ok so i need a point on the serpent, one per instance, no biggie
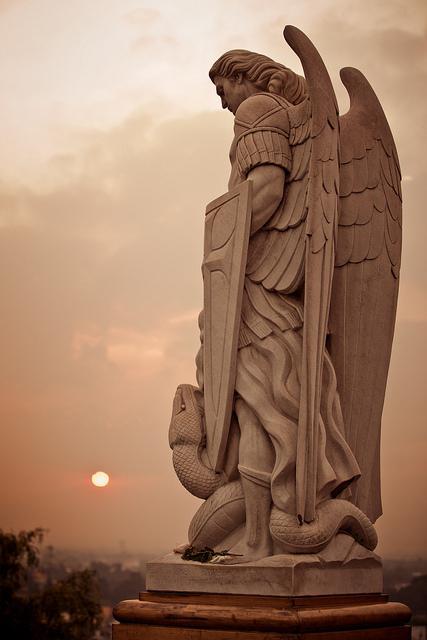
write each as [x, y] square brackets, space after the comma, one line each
[224, 507]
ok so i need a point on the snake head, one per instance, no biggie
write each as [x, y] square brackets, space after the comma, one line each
[187, 405]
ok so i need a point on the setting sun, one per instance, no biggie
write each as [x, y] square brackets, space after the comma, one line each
[100, 479]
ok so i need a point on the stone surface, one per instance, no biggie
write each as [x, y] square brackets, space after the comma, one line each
[344, 567]
[301, 272]
[227, 227]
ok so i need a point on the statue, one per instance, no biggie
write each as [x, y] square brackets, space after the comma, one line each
[281, 436]
[301, 273]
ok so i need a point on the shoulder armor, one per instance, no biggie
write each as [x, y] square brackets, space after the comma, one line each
[262, 109]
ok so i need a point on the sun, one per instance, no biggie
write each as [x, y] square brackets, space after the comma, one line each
[100, 479]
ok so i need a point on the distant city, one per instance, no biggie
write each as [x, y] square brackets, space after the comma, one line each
[121, 576]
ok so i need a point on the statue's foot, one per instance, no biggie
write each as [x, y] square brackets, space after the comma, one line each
[242, 552]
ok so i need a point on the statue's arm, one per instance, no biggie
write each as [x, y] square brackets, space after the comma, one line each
[268, 186]
[262, 153]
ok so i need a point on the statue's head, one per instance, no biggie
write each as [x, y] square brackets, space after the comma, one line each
[238, 74]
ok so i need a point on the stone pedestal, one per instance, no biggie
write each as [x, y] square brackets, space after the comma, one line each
[192, 616]
[343, 567]
[333, 595]
[276, 576]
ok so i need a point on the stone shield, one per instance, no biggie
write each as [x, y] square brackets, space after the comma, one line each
[227, 230]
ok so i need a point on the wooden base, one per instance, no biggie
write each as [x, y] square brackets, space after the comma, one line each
[186, 616]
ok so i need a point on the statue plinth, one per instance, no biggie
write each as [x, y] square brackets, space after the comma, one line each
[343, 567]
[185, 616]
[334, 594]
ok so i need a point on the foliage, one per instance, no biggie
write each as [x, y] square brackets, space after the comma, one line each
[68, 609]
[18, 554]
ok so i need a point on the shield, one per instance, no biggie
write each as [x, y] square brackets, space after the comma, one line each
[227, 229]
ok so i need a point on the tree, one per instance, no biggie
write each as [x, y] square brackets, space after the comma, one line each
[68, 609]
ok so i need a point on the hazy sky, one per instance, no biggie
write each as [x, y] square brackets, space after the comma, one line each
[112, 143]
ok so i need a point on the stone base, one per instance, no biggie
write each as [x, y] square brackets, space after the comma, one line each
[177, 616]
[344, 567]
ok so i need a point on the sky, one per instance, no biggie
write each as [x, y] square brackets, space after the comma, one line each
[113, 142]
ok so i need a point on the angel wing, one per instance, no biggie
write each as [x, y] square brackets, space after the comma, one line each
[322, 203]
[297, 247]
[366, 278]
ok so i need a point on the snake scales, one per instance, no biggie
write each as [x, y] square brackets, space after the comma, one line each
[224, 506]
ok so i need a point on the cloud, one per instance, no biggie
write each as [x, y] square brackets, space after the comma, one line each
[5, 5]
[189, 316]
[111, 246]
[152, 26]
[143, 16]
[100, 287]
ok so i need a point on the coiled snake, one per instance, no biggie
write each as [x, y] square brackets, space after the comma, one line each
[224, 507]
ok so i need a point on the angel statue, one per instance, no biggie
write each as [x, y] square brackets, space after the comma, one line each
[301, 271]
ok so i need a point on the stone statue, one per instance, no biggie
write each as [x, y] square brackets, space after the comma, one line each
[301, 272]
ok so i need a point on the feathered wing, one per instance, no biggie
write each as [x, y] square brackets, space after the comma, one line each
[297, 246]
[366, 278]
[322, 210]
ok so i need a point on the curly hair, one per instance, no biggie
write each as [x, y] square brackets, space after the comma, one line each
[266, 74]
